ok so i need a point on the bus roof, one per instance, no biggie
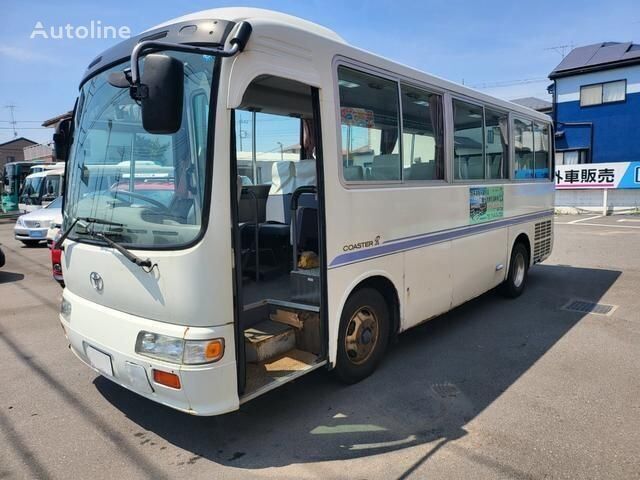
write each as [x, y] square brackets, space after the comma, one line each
[237, 14]
[44, 173]
[322, 43]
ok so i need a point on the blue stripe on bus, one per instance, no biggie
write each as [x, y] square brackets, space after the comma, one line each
[424, 239]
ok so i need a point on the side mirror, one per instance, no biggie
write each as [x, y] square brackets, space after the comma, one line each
[62, 139]
[161, 93]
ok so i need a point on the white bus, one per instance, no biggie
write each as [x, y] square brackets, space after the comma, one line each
[41, 188]
[393, 196]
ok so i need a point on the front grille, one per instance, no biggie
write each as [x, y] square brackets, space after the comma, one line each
[543, 240]
[36, 223]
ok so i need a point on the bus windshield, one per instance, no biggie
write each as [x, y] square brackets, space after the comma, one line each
[31, 189]
[151, 184]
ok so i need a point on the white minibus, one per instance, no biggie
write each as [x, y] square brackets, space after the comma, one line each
[41, 188]
[317, 200]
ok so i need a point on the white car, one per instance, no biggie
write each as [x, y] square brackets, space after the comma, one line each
[32, 228]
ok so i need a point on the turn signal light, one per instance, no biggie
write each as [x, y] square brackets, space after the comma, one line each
[214, 350]
[167, 379]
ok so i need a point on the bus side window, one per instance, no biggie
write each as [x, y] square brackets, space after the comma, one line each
[370, 127]
[468, 141]
[541, 155]
[496, 143]
[523, 147]
[422, 135]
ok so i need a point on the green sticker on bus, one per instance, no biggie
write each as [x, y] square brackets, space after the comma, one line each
[485, 203]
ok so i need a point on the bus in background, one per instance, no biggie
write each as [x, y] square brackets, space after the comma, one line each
[13, 176]
[40, 189]
[41, 167]
[396, 196]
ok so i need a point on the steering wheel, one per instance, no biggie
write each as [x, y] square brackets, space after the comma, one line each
[139, 196]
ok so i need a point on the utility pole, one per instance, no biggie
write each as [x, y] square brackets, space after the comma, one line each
[242, 132]
[13, 120]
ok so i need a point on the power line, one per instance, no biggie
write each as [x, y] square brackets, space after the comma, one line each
[22, 121]
[510, 83]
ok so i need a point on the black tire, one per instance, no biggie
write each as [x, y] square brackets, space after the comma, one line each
[516, 280]
[31, 243]
[358, 361]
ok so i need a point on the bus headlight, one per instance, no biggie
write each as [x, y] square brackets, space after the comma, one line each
[178, 350]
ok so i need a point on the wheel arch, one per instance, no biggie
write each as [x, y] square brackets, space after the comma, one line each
[523, 238]
[383, 283]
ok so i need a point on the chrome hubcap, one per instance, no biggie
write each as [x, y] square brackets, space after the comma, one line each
[362, 335]
[518, 278]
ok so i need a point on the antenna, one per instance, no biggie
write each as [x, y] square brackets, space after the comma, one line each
[13, 120]
[562, 50]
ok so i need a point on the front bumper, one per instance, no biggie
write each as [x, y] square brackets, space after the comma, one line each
[205, 389]
[24, 233]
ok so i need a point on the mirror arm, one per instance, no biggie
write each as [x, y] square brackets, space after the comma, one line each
[237, 42]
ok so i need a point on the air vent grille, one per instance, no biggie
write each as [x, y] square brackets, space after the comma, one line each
[543, 240]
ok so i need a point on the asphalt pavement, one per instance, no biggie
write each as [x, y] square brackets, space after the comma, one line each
[494, 389]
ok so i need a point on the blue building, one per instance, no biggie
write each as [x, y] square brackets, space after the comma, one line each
[596, 104]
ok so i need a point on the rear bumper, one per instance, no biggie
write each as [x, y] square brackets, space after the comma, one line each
[205, 389]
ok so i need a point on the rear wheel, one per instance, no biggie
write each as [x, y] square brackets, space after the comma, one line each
[364, 331]
[516, 280]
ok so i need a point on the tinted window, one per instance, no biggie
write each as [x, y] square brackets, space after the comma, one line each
[496, 143]
[523, 147]
[468, 141]
[369, 125]
[422, 135]
[541, 155]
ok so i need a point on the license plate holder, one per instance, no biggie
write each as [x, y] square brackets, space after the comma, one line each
[99, 360]
[36, 234]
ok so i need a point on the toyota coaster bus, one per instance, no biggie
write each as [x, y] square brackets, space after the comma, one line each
[312, 200]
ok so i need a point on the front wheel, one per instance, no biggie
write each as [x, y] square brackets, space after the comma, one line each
[516, 280]
[364, 331]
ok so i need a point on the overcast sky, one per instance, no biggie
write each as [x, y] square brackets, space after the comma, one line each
[503, 47]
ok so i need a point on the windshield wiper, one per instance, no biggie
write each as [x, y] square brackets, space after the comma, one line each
[132, 257]
[99, 221]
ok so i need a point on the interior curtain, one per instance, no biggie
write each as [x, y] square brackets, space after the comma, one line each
[503, 123]
[437, 121]
[388, 140]
[308, 138]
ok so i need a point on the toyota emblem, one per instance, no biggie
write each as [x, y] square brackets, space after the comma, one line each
[96, 281]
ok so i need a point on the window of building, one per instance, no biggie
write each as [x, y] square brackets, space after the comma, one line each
[496, 143]
[468, 141]
[523, 149]
[11, 158]
[541, 155]
[422, 135]
[600, 93]
[571, 157]
[370, 127]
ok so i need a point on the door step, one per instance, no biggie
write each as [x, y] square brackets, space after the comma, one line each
[265, 376]
[268, 339]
